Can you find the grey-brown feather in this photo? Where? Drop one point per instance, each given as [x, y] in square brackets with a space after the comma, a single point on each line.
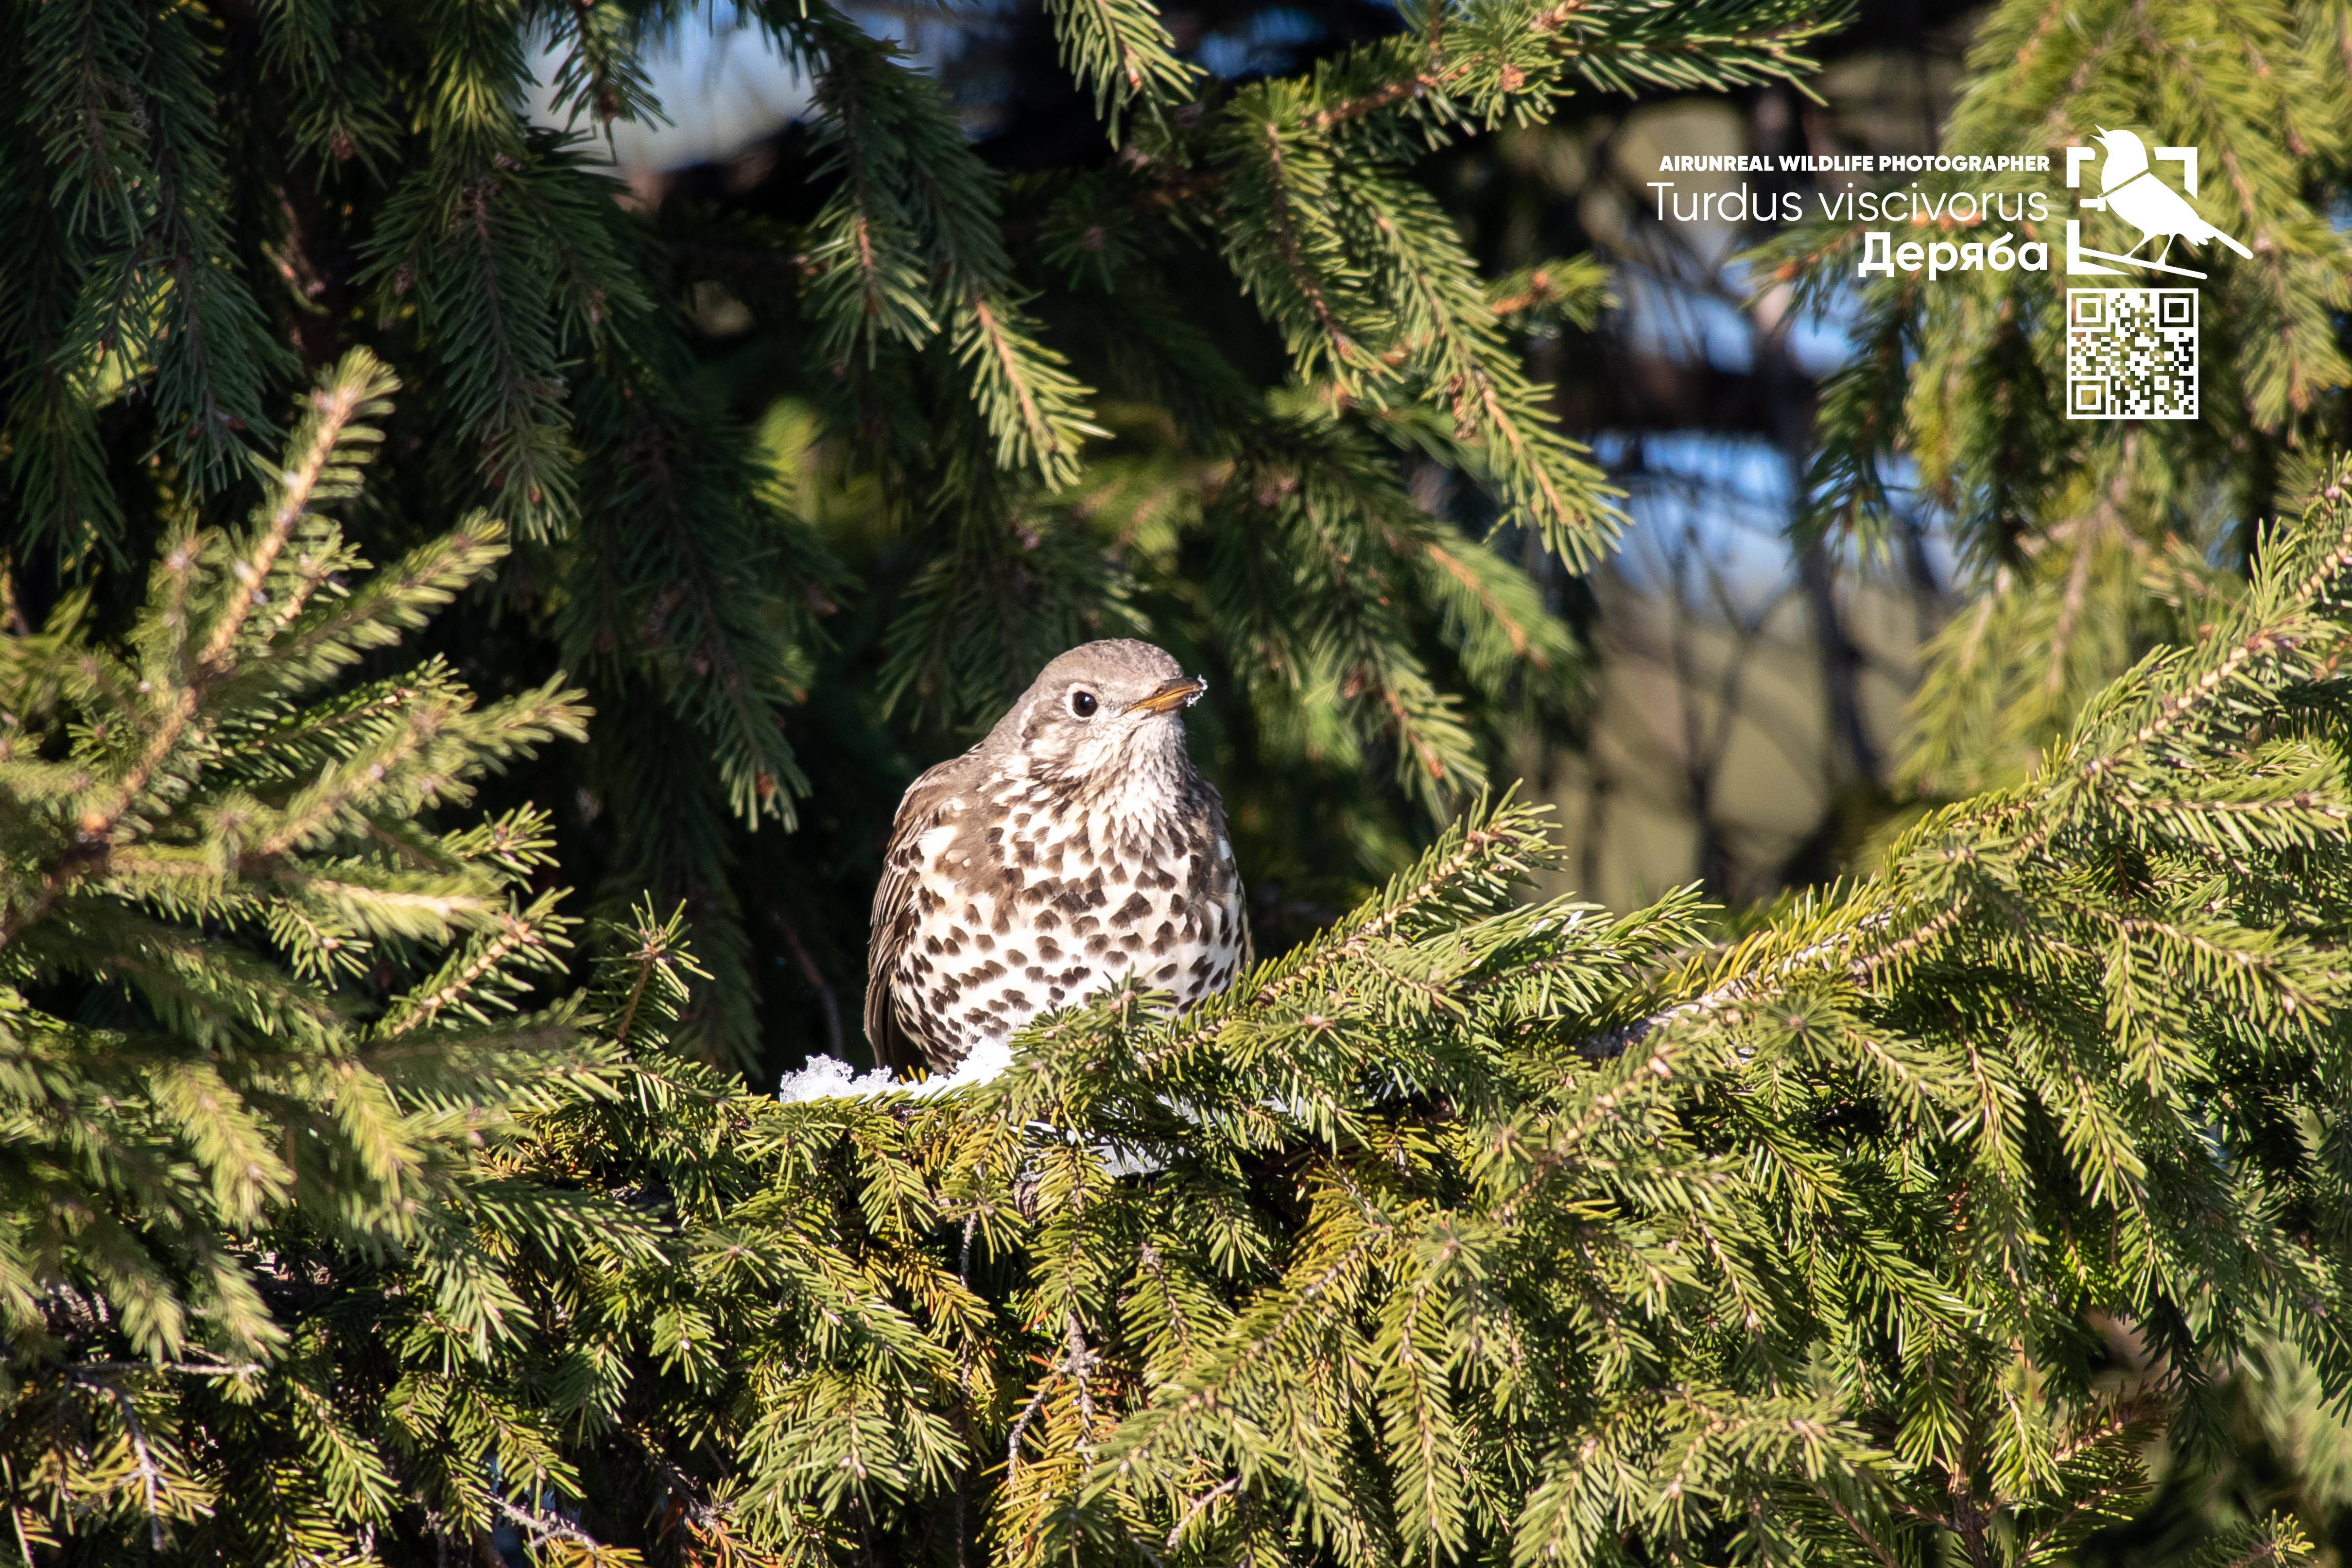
[893, 918]
[1062, 854]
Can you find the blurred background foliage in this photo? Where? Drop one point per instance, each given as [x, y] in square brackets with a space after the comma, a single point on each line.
[1741, 718]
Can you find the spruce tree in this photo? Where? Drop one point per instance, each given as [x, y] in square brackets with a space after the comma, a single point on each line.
[1472, 1229]
[1179, 387]
[256, 1018]
[1889, 1225]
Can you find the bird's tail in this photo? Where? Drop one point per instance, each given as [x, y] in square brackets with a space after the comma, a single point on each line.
[2216, 234]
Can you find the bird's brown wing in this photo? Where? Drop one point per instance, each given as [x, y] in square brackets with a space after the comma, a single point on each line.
[1221, 831]
[928, 802]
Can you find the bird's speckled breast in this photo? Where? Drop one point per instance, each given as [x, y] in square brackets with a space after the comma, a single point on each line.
[1035, 897]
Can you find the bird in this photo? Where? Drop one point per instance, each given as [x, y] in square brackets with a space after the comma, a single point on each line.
[2131, 192]
[1074, 847]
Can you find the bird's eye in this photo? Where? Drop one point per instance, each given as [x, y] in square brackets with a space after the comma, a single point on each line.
[1082, 703]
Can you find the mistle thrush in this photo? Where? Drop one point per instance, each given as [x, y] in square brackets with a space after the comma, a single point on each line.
[1074, 847]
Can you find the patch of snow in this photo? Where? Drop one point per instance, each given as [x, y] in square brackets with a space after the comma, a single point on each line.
[830, 1078]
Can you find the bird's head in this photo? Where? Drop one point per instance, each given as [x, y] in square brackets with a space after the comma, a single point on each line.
[1101, 709]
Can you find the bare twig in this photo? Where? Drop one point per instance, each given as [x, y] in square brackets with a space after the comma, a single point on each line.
[1021, 1425]
[543, 1526]
[1225, 1487]
[150, 1474]
[1080, 1361]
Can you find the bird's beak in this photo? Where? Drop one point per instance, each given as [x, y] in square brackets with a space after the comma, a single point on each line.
[1176, 693]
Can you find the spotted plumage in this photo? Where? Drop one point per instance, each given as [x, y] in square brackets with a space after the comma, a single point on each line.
[1075, 846]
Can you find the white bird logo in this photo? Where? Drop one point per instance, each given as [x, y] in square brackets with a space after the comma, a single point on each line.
[2128, 189]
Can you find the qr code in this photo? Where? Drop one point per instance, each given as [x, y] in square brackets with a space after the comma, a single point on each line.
[2131, 353]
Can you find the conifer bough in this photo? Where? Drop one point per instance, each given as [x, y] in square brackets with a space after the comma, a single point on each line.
[1472, 1229]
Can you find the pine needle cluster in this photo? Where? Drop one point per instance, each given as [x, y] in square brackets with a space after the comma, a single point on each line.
[256, 1018]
